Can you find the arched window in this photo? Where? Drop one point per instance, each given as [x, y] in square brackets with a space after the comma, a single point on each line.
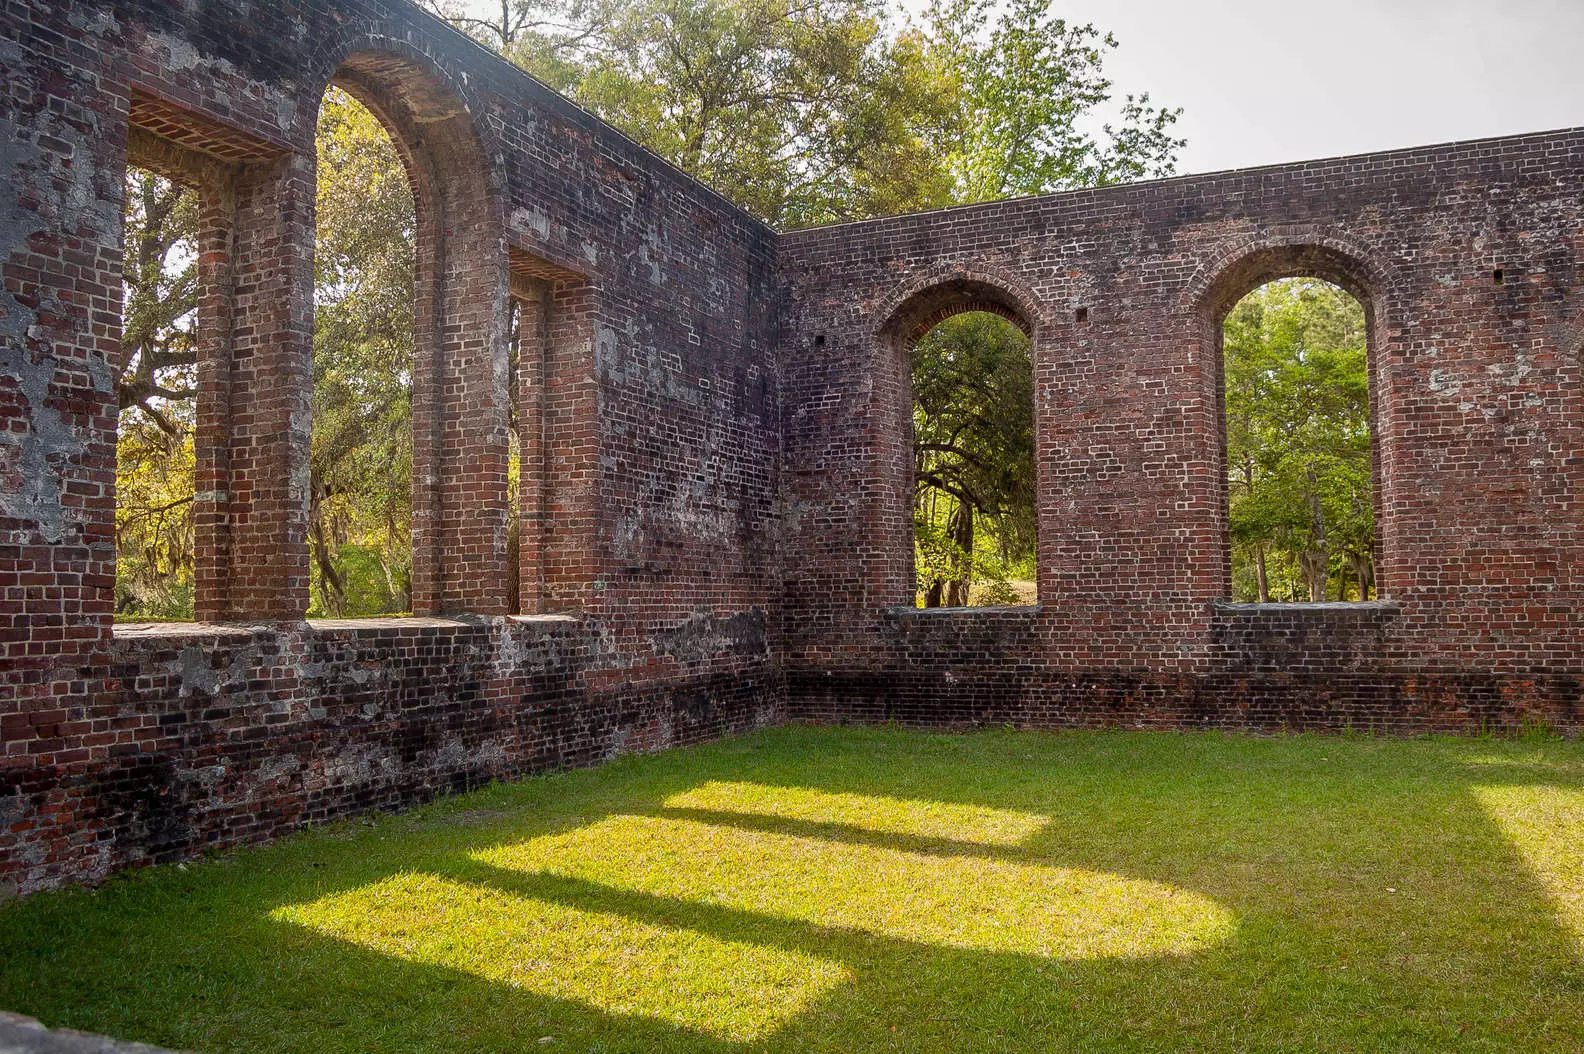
[360, 511]
[963, 457]
[973, 441]
[447, 252]
[1301, 472]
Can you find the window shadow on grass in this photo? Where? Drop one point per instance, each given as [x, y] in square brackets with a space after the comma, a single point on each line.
[1374, 905]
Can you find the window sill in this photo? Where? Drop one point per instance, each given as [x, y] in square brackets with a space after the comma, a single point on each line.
[1009, 611]
[183, 630]
[189, 631]
[1312, 609]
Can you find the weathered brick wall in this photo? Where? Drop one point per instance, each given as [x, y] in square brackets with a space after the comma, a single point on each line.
[714, 511]
[226, 735]
[1478, 415]
[652, 476]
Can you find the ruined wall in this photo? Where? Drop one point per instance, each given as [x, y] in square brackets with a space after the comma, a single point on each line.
[717, 463]
[651, 472]
[1466, 258]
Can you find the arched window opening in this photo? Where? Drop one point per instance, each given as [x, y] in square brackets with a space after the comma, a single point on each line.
[361, 465]
[1299, 459]
[156, 391]
[974, 495]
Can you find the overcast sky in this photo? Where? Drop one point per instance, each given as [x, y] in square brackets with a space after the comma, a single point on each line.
[1263, 82]
[1267, 81]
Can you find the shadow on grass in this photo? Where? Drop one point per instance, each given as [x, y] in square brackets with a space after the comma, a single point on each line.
[1374, 904]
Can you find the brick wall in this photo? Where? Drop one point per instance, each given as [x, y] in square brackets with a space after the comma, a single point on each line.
[1478, 424]
[714, 517]
[648, 509]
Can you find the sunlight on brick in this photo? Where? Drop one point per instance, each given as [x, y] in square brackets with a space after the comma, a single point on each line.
[928, 819]
[731, 990]
[952, 901]
[1546, 827]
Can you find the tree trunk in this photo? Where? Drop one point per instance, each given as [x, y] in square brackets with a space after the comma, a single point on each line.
[1315, 560]
[331, 590]
[1260, 574]
[1364, 571]
[963, 536]
[1312, 563]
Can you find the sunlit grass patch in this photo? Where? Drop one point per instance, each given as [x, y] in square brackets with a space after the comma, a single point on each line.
[992, 904]
[977, 824]
[866, 891]
[733, 990]
[1546, 826]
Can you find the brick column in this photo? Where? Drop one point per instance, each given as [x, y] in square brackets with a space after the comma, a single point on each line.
[211, 445]
[269, 393]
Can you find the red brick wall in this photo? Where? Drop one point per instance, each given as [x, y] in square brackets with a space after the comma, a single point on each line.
[653, 523]
[1478, 424]
[717, 478]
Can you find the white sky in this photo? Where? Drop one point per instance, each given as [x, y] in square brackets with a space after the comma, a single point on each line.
[1268, 81]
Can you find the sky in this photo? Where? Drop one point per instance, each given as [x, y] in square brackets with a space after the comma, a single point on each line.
[1270, 81]
[1263, 82]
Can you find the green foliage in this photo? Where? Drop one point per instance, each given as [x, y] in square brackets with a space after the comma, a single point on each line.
[155, 389]
[154, 523]
[813, 112]
[973, 435]
[361, 523]
[1298, 443]
[1018, 93]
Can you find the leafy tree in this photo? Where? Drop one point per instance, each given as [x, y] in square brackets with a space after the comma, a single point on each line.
[1018, 92]
[1298, 444]
[973, 430]
[813, 111]
[155, 389]
[361, 513]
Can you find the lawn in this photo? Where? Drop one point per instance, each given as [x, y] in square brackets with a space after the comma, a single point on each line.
[875, 890]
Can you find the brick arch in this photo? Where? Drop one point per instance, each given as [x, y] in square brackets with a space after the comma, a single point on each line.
[432, 83]
[918, 305]
[461, 400]
[1244, 265]
[1302, 252]
[905, 315]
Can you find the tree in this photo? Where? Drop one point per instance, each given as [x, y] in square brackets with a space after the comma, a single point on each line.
[1298, 443]
[155, 391]
[814, 111]
[1017, 93]
[973, 432]
[360, 525]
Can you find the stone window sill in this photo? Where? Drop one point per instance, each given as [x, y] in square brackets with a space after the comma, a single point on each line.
[1012, 611]
[163, 631]
[1313, 609]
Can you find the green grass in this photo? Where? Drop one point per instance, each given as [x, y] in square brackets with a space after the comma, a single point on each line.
[876, 890]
